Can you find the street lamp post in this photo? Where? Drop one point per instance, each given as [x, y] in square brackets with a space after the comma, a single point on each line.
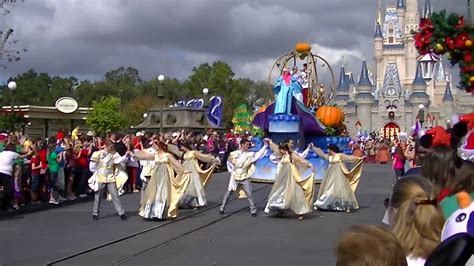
[421, 114]
[205, 91]
[161, 96]
[428, 62]
[12, 87]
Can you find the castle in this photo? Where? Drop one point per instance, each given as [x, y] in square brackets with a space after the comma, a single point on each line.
[404, 87]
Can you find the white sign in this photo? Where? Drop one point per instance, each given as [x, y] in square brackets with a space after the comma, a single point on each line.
[66, 105]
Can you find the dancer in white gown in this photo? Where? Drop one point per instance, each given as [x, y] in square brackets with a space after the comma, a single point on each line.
[166, 185]
[195, 195]
[338, 186]
[290, 190]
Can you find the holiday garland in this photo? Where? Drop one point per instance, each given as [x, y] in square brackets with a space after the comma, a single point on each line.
[450, 35]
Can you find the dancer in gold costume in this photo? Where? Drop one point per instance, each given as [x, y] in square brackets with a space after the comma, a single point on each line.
[166, 185]
[339, 184]
[195, 195]
[290, 190]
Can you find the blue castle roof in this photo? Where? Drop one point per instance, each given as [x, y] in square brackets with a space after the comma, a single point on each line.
[448, 97]
[419, 80]
[364, 76]
[343, 84]
[419, 94]
[378, 31]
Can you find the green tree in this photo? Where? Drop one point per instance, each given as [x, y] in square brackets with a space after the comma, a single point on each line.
[218, 77]
[257, 93]
[32, 89]
[86, 93]
[105, 116]
[62, 87]
[173, 90]
[40, 89]
[122, 75]
[135, 109]
[9, 122]
[199, 79]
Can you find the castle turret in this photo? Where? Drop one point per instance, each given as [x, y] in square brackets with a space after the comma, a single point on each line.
[439, 82]
[378, 49]
[412, 18]
[411, 22]
[401, 14]
[418, 96]
[342, 90]
[448, 102]
[364, 99]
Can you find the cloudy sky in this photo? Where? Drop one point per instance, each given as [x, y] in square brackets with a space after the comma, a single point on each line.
[87, 38]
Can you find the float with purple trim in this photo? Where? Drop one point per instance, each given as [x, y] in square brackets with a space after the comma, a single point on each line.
[300, 112]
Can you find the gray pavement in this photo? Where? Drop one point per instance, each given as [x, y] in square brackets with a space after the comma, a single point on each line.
[68, 236]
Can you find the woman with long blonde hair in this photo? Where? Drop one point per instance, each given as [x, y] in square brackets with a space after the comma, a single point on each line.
[416, 219]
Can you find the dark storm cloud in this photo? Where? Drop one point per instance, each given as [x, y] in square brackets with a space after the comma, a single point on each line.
[89, 37]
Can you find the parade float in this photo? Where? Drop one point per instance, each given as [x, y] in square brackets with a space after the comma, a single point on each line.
[194, 114]
[300, 110]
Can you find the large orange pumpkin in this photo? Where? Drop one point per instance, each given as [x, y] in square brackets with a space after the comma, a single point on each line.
[330, 116]
[302, 47]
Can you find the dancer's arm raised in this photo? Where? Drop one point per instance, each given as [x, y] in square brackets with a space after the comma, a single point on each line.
[305, 153]
[258, 155]
[320, 153]
[175, 150]
[143, 155]
[121, 159]
[207, 158]
[274, 148]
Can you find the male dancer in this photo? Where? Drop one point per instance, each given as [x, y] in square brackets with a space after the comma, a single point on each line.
[103, 164]
[240, 165]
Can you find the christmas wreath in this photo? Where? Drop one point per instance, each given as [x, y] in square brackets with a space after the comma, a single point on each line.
[450, 35]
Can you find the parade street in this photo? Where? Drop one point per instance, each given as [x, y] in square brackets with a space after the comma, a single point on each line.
[67, 235]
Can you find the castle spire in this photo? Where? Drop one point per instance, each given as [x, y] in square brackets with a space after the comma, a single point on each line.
[441, 75]
[364, 76]
[419, 81]
[378, 31]
[448, 97]
[427, 9]
[400, 4]
[343, 81]
[379, 14]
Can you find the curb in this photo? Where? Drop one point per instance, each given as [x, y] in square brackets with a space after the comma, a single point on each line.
[42, 207]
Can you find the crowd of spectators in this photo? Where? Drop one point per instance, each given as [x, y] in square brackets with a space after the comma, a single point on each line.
[56, 169]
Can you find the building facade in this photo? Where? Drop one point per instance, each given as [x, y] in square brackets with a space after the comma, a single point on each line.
[401, 89]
